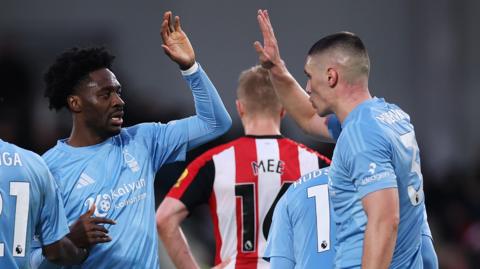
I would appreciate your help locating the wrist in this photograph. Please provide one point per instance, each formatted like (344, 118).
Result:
(190, 70)
(83, 254)
(279, 69)
(186, 66)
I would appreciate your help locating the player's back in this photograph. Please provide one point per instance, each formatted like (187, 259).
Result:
(377, 150)
(396, 125)
(24, 179)
(303, 229)
(251, 174)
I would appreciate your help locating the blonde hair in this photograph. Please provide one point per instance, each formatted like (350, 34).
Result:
(256, 92)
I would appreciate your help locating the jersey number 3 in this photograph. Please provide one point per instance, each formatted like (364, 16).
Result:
(415, 194)
(22, 191)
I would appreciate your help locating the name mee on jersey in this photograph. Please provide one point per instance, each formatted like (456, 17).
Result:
(105, 201)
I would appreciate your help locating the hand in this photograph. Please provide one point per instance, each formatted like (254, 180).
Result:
(223, 264)
(175, 42)
(268, 54)
(87, 231)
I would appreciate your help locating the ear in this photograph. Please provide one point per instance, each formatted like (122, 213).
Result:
(240, 108)
(332, 77)
(74, 103)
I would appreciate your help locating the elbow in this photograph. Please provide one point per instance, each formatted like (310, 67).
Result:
(222, 126)
(391, 222)
(395, 222)
(162, 220)
(227, 124)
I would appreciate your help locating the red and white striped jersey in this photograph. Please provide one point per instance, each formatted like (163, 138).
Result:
(242, 181)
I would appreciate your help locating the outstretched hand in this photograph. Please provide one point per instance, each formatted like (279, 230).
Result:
(268, 54)
(87, 231)
(175, 42)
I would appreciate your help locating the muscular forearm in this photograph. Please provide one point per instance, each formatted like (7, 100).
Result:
(212, 119)
(297, 103)
(176, 246)
(379, 243)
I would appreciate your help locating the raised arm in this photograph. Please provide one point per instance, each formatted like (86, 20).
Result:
(291, 94)
(212, 119)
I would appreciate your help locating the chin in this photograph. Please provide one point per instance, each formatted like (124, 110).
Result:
(323, 113)
(114, 131)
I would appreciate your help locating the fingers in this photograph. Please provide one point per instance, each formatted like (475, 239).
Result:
(223, 264)
(178, 28)
(102, 220)
(95, 237)
(169, 19)
(262, 24)
(90, 212)
(265, 25)
(100, 228)
(165, 31)
(258, 47)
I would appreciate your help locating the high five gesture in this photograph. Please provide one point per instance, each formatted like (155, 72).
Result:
(175, 42)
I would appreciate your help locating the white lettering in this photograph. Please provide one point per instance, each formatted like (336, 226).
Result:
(393, 116)
(8, 160)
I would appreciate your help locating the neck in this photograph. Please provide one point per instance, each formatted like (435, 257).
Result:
(261, 126)
(82, 136)
(352, 97)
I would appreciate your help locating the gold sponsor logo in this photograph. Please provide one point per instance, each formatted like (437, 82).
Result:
(181, 178)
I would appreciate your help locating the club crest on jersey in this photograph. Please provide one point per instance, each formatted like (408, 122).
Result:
(105, 201)
(268, 166)
(102, 204)
(181, 178)
(130, 161)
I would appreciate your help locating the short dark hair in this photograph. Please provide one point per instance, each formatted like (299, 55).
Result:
(342, 39)
(347, 43)
(71, 67)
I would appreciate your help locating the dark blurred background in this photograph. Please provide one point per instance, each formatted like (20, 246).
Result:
(425, 57)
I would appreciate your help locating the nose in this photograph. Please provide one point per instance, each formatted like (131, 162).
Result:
(308, 87)
(117, 100)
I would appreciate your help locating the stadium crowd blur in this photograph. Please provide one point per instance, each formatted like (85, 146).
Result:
(452, 192)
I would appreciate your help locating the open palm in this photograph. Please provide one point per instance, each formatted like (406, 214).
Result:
(175, 42)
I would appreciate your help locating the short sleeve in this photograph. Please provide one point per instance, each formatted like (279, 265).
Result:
(280, 237)
(371, 161)
(53, 222)
(195, 184)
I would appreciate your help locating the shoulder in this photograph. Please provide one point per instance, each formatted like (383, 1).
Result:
(53, 155)
(361, 134)
(29, 161)
(211, 153)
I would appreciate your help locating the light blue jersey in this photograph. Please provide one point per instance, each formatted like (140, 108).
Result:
(118, 177)
(30, 203)
(376, 150)
(303, 229)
